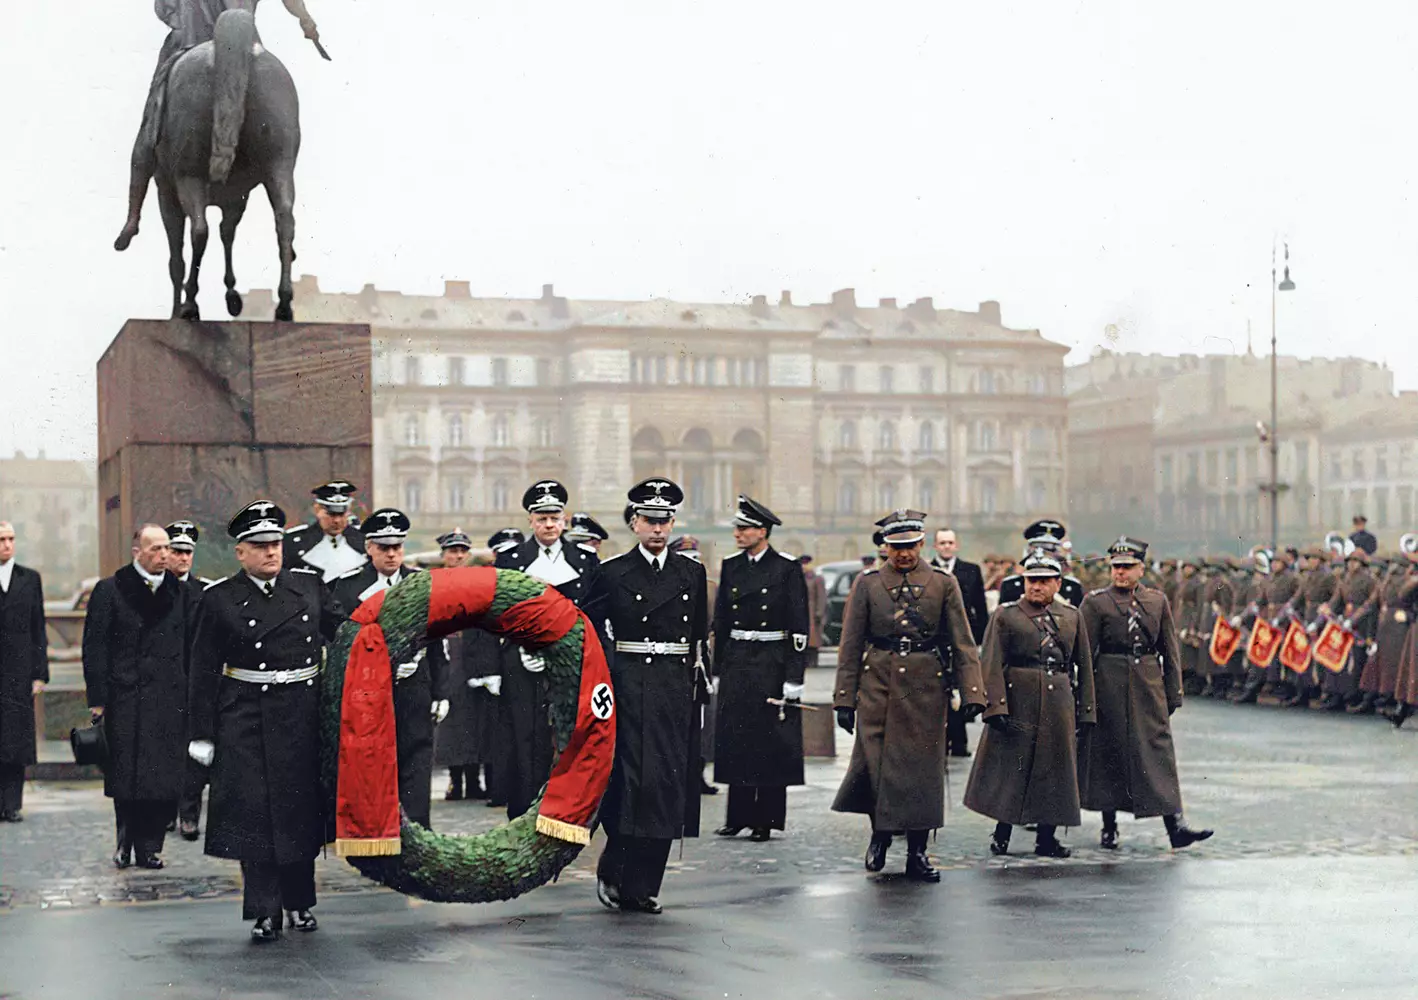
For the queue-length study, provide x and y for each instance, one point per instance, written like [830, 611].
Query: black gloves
[847, 719]
[972, 712]
[998, 722]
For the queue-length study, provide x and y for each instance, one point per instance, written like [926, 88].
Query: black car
[838, 576]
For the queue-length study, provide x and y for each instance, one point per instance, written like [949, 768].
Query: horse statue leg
[231, 218]
[192, 194]
[280, 189]
[174, 221]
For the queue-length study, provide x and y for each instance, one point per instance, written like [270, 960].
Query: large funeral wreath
[359, 761]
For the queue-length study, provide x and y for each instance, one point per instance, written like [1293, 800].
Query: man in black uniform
[576, 575]
[657, 615]
[1362, 537]
[135, 673]
[253, 710]
[24, 671]
[585, 531]
[182, 548]
[330, 543]
[421, 685]
[1046, 536]
[760, 654]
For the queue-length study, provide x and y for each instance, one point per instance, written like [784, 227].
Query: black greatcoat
[972, 593]
[769, 595]
[469, 735]
[654, 789]
[527, 725]
[24, 659]
[307, 545]
[1011, 590]
[265, 800]
[135, 667]
[413, 698]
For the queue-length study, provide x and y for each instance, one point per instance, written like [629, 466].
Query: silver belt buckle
[659, 648]
[903, 646]
[280, 676]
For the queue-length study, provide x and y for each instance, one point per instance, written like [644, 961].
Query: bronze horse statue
[231, 122]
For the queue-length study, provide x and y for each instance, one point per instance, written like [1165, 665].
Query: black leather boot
[999, 840]
[1046, 844]
[1368, 704]
[301, 920]
[455, 785]
[1109, 840]
[265, 931]
[1180, 834]
[1400, 714]
[918, 866]
[876, 851]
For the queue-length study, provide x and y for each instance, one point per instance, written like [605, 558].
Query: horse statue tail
[233, 40]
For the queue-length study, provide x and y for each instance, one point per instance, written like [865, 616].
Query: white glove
[792, 692]
[955, 701]
[439, 711]
[493, 684]
[532, 662]
[202, 751]
[714, 684]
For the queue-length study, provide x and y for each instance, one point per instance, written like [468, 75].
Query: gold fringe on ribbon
[370, 848]
[568, 832]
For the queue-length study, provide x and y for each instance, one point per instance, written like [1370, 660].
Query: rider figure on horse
[192, 23]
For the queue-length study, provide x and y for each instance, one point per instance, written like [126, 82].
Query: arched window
[927, 494]
[847, 434]
[499, 495]
[411, 431]
[501, 431]
[847, 497]
[886, 496]
[455, 434]
[413, 495]
[926, 437]
[886, 436]
[457, 495]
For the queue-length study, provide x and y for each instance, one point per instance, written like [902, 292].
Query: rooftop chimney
[887, 304]
[923, 308]
[369, 297]
[759, 307]
[457, 290]
[548, 292]
[989, 312]
[786, 298]
[306, 284]
[844, 301]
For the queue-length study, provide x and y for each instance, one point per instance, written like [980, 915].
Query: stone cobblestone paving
[1273, 783]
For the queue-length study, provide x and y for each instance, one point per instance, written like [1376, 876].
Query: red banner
[1225, 637]
[367, 790]
[1295, 650]
[1265, 643]
[1333, 647]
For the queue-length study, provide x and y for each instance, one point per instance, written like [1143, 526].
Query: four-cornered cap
[455, 539]
[1039, 564]
[655, 499]
[687, 546]
[583, 527]
[507, 538]
[1127, 551]
[752, 514]
[334, 496]
[903, 527]
[387, 526]
[183, 535]
[261, 521]
[1045, 531]
[545, 497]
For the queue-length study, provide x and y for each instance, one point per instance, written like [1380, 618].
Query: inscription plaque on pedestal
[198, 419]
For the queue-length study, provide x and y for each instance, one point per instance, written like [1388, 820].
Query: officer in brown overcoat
[906, 645]
[1039, 681]
[1126, 761]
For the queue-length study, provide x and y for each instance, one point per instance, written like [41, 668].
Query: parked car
[839, 577]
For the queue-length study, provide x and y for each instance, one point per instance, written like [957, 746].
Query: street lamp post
[1274, 430]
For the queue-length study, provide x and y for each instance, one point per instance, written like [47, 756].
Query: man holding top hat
[330, 543]
[760, 653]
[1126, 761]
[421, 685]
[657, 624]
[1039, 682]
[253, 710]
[906, 650]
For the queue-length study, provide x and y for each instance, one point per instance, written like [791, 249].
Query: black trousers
[189, 810]
[142, 825]
[757, 807]
[957, 741]
[12, 787]
[634, 865]
[269, 888]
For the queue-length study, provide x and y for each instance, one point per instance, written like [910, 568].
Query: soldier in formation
[329, 544]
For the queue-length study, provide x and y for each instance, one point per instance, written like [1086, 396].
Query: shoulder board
[868, 571]
[938, 568]
[343, 576]
[588, 549]
[1070, 576]
[791, 559]
[205, 582]
[305, 569]
[610, 559]
[294, 528]
[733, 555]
[1097, 591]
[1012, 576]
[213, 583]
[1007, 604]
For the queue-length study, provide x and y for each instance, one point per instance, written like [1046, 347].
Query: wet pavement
[1306, 891]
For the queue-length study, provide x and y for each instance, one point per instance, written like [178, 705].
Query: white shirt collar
[261, 584]
[155, 579]
[949, 564]
[754, 558]
[651, 558]
[552, 551]
[7, 570]
[185, 577]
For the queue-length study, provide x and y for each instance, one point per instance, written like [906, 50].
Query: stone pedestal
[198, 419]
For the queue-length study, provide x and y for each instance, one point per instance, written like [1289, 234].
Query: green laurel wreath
[446, 868]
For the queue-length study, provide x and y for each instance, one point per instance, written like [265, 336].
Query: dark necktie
[268, 588]
[656, 563]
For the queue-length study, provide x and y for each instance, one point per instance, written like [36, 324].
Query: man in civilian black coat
[1362, 538]
[576, 574]
[135, 671]
[972, 592]
[24, 671]
[421, 685]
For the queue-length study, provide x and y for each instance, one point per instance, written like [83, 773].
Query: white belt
[654, 648]
[747, 635]
[405, 670]
[271, 676]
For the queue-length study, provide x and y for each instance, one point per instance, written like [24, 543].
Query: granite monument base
[198, 419]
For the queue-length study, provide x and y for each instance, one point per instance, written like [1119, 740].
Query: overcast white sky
[1086, 163]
